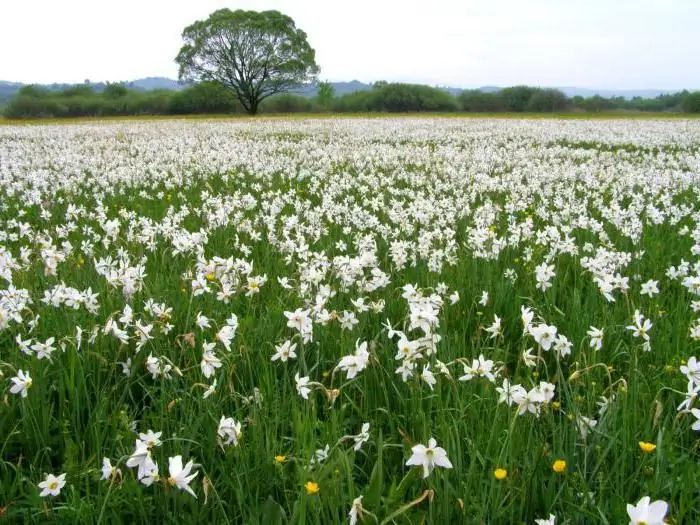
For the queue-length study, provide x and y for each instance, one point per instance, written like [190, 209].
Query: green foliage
[325, 94]
[691, 103]
[547, 100]
[204, 97]
[254, 54]
[481, 102]
[517, 98]
[212, 97]
[287, 103]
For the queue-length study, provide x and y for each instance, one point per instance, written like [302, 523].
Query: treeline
[212, 98]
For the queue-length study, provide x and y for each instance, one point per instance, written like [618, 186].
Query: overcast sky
[462, 43]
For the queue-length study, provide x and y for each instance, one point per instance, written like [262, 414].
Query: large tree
[254, 54]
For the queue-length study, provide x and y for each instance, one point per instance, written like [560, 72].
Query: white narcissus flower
[179, 476]
[650, 288]
[302, 385]
[210, 362]
[646, 512]
[428, 376]
[226, 335]
[696, 414]
[202, 321]
[552, 520]
[22, 382]
[454, 297]
[484, 298]
[229, 430]
[108, 471]
[356, 510]
[151, 439]
[284, 352]
[141, 458]
[362, 437]
[596, 335]
[429, 457]
[52, 485]
[545, 335]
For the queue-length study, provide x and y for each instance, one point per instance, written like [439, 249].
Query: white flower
[357, 362]
[141, 458]
[320, 455]
[647, 513]
[552, 520]
[650, 288]
[429, 457]
[179, 476]
[529, 359]
[696, 414]
[211, 389]
[641, 326]
[284, 352]
[210, 362]
[495, 328]
[226, 335]
[484, 298]
[692, 370]
[454, 297]
[596, 335]
[151, 439]
[480, 367]
[545, 335]
[202, 321]
[229, 430]
[356, 510]
[108, 470]
[428, 376]
[585, 424]
[362, 437]
[22, 383]
[52, 485]
[302, 385]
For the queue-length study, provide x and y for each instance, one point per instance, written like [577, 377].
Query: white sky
[462, 43]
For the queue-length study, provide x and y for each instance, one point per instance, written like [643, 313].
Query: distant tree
[254, 54]
[399, 97]
[325, 94]
[204, 97]
[547, 101]
[691, 102]
[517, 98]
[115, 90]
[477, 101]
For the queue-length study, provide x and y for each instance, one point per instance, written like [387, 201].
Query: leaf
[273, 513]
[376, 479]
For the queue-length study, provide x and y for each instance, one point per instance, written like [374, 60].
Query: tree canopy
[254, 54]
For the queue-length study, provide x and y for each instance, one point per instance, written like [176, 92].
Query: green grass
[81, 407]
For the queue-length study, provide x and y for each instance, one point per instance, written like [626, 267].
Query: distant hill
[10, 89]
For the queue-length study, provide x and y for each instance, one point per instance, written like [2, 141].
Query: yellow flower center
[53, 485]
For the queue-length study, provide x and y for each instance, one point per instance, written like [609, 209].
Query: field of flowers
[406, 320]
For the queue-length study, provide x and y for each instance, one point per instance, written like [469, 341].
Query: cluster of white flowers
[323, 238]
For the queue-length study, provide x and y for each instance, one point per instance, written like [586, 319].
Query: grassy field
[299, 306]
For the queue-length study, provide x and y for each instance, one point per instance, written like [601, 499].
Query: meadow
[358, 320]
